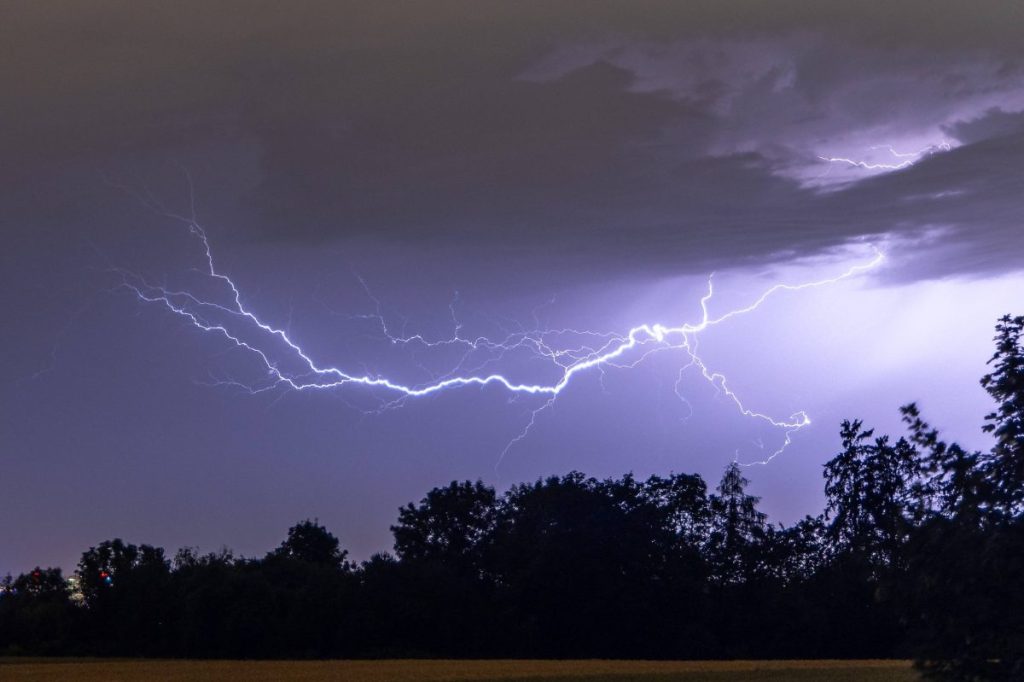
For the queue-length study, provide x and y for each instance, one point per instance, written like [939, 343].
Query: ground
[107, 670]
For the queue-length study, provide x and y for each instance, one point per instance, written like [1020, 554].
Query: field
[107, 670]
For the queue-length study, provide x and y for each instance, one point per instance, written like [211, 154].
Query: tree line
[919, 553]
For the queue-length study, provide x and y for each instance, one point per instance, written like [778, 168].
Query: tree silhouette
[35, 612]
[966, 614]
[871, 491]
[737, 529]
[311, 542]
[125, 589]
[919, 550]
[1006, 386]
[449, 525]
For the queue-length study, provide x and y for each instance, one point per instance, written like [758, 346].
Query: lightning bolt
[908, 158]
[573, 352]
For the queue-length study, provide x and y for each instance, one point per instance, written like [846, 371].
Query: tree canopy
[917, 553]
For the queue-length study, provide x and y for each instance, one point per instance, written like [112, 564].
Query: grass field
[106, 670]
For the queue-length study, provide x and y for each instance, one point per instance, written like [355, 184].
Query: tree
[446, 597]
[126, 590]
[737, 528]
[572, 554]
[299, 594]
[683, 499]
[966, 617]
[449, 525]
[36, 615]
[312, 543]
[797, 553]
[871, 489]
[956, 485]
[1005, 466]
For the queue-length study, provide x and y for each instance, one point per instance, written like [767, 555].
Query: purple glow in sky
[421, 194]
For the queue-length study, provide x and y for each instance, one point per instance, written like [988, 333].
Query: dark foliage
[919, 552]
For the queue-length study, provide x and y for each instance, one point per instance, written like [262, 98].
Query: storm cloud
[674, 137]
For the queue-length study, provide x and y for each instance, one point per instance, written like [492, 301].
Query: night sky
[441, 173]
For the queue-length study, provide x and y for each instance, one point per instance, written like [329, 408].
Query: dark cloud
[656, 135]
[484, 160]
[993, 123]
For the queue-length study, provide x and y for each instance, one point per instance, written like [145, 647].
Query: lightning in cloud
[285, 364]
[906, 159]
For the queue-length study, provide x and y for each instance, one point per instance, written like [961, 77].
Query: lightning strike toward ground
[573, 352]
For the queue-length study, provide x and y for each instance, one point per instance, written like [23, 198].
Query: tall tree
[967, 619]
[1005, 384]
[955, 485]
[738, 528]
[871, 489]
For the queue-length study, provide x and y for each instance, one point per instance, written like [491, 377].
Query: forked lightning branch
[570, 352]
